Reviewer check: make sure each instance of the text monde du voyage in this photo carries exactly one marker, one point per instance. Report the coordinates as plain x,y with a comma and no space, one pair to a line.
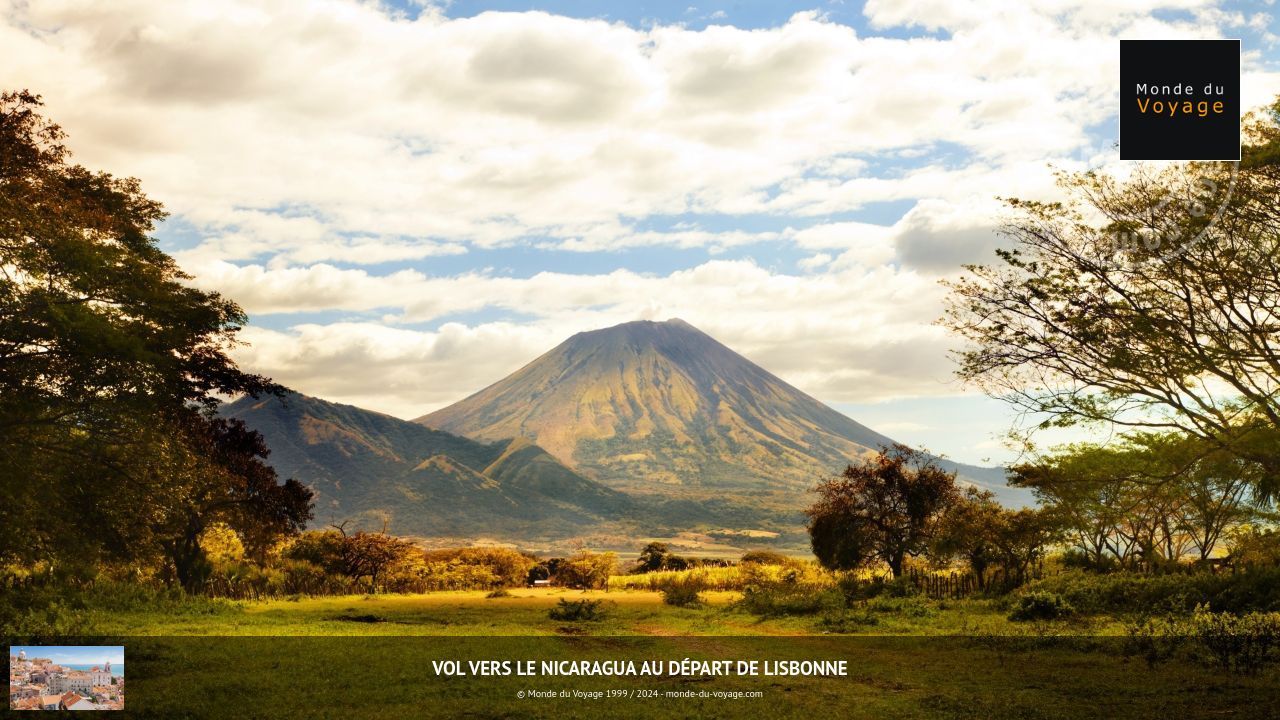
640,668
1179,100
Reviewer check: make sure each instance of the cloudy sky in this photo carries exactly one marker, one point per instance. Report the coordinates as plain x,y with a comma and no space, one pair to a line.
413,199
73,654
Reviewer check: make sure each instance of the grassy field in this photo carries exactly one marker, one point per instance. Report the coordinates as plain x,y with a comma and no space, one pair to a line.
370,656
525,612
392,677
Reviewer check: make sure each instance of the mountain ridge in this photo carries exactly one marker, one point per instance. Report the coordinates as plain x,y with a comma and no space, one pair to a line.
663,408
370,467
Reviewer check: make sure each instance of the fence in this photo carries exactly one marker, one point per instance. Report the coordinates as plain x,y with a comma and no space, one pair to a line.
957,585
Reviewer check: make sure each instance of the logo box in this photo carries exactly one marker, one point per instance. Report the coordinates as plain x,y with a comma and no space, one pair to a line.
1180,100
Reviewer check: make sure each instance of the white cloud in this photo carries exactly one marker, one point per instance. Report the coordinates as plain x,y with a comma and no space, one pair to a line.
301,139
864,244
401,372
856,335
935,236
611,236
506,126
940,236
815,262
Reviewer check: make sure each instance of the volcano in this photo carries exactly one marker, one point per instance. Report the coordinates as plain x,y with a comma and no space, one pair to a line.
662,408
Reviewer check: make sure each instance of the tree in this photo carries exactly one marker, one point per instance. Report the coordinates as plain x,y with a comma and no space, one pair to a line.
883,510
765,557
1020,538
587,570
986,535
217,476
370,554
323,548
968,530
1161,316
1213,490
111,368
509,567
1145,499
653,557
1091,492
1255,546
356,555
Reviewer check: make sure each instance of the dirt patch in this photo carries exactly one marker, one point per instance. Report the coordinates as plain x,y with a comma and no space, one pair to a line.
363,618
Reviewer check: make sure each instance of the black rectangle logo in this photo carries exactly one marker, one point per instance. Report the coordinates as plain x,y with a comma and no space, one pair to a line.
1179,99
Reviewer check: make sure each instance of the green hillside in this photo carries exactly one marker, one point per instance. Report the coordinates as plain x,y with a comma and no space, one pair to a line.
369,468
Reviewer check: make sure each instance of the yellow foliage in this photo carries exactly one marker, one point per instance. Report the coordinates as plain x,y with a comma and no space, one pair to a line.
221,544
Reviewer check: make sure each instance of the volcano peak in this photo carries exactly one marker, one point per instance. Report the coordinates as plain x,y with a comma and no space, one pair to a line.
662,407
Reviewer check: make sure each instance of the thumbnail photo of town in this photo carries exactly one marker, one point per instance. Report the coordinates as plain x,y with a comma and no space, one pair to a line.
66,677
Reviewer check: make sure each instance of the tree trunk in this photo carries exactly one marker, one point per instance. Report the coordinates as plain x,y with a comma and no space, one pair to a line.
186,553
895,564
979,571
185,556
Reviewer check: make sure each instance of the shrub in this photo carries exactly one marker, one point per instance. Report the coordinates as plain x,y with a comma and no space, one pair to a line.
794,573
245,580
1256,589
577,611
795,600
854,588
541,571
499,593
844,621
1235,643
899,587
468,569
1080,560
914,606
46,607
657,556
765,557
383,563
509,568
1251,546
1155,639
318,547
1038,605
683,591
587,570
127,597
1238,643
715,578
796,589
52,619
302,577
